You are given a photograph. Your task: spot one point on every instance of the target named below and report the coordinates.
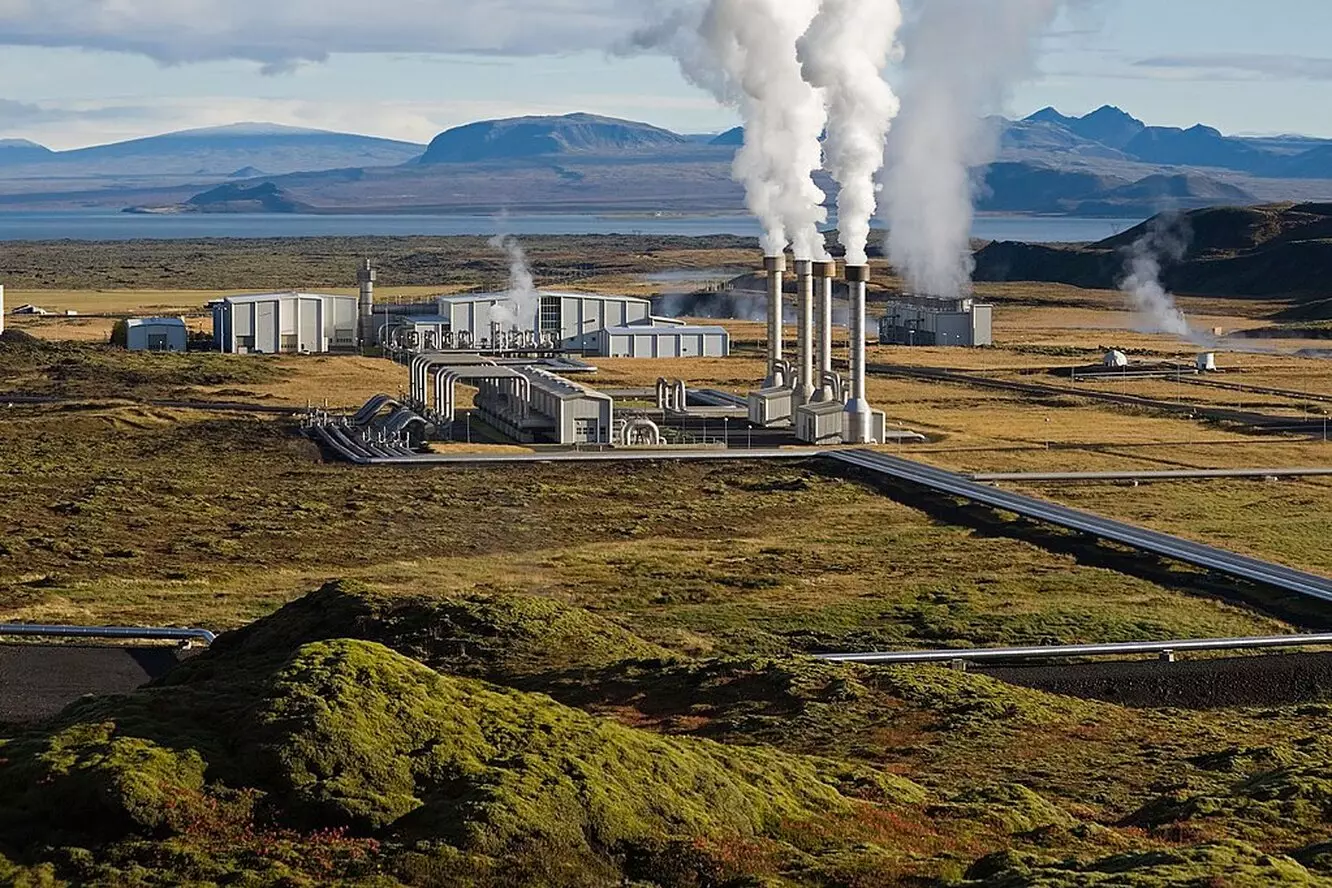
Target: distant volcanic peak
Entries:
(1050, 114)
(732, 137)
(24, 144)
(238, 197)
(247, 129)
(522, 137)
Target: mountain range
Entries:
(214, 151)
(1104, 163)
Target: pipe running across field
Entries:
(134, 633)
(1080, 650)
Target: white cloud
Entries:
(280, 34)
(1247, 66)
(80, 124)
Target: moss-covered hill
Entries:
(359, 738)
(1278, 252)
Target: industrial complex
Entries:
(517, 350)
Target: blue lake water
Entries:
(123, 226)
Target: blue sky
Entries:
(78, 72)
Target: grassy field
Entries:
(648, 716)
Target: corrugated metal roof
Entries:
(666, 330)
(155, 322)
(503, 297)
(286, 294)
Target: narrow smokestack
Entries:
(804, 388)
(857, 426)
(775, 266)
(827, 273)
(365, 277)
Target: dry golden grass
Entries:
(344, 381)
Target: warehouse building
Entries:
(927, 320)
(284, 323)
(589, 324)
(661, 340)
(155, 334)
(554, 411)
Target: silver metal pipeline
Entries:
(803, 389)
(833, 384)
(827, 273)
(34, 630)
(775, 266)
(857, 426)
(1082, 650)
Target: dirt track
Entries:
(1268, 680)
(37, 681)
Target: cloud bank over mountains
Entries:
(283, 34)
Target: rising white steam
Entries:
(744, 53)
(1154, 308)
(844, 53)
(962, 57)
(522, 301)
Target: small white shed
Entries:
(156, 334)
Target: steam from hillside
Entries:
(744, 53)
(961, 59)
(844, 53)
(522, 301)
(1154, 308)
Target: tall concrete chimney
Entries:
(775, 266)
(804, 386)
(827, 273)
(365, 278)
(857, 425)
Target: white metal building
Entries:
(576, 319)
(555, 411)
(156, 334)
(275, 323)
(658, 340)
(927, 320)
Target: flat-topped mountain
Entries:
(16, 151)
(528, 137)
(219, 152)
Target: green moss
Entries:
(350, 735)
(500, 638)
(1292, 797)
(1011, 807)
(360, 734)
(1229, 864)
(967, 702)
(91, 778)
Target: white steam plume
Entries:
(1154, 308)
(961, 59)
(744, 53)
(844, 53)
(522, 301)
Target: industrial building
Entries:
(283, 323)
(928, 320)
(542, 408)
(156, 334)
(661, 340)
(589, 324)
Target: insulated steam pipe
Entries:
(803, 392)
(775, 266)
(857, 425)
(827, 272)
